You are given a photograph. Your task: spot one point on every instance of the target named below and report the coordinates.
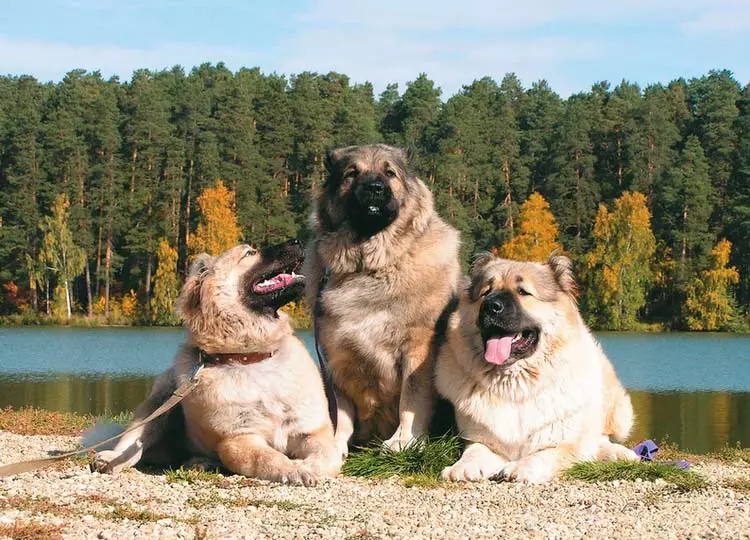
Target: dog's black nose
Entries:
(496, 305)
(374, 186)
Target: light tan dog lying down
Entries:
(532, 389)
(261, 412)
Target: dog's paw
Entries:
(104, 462)
(528, 471)
(342, 446)
(400, 440)
(202, 463)
(472, 469)
(610, 451)
(299, 475)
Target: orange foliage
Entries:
(538, 237)
(218, 229)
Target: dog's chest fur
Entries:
(515, 423)
(261, 398)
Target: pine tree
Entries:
(713, 99)
(538, 232)
(684, 205)
(571, 186)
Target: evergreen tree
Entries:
(571, 187)
(713, 99)
(684, 205)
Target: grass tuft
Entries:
(30, 530)
(606, 471)
(732, 454)
(123, 511)
(741, 484)
(194, 476)
(33, 421)
(423, 459)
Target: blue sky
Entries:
(570, 43)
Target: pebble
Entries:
(348, 507)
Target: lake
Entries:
(693, 389)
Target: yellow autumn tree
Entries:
(709, 304)
(619, 268)
(538, 232)
(166, 286)
(217, 230)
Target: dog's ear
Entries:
(562, 268)
(189, 301)
(475, 273)
(332, 156)
(480, 261)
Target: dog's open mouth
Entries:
(274, 283)
(498, 349)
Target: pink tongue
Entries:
(498, 349)
(277, 282)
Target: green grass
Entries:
(193, 476)
(607, 471)
(741, 484)
(420, 463)
(732, 454)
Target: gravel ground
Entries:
(134, 504)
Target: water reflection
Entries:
(696, 421)
(101, 395)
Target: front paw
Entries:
(400, 440)
(528, 471)
(298, 474)
(472, 469)
(105, 462)
(202, 464)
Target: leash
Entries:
(325, 371)
(176, 397)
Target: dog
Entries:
(391, 265)
(259, 407)
(532, 389)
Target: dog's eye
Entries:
(523, 292)
(352, 173)
(390, 173)
(249, 253)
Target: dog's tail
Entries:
(101, 431)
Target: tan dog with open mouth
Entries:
(531, 386)
(259, 407)
(393, 268)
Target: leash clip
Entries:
(198, 368)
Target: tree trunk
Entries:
(619, 161)
(107, 265)
(67, 298)
(90, 310)
(187, 212)
(508, 197)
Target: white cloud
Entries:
(50, 61)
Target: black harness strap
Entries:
(325, 372)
